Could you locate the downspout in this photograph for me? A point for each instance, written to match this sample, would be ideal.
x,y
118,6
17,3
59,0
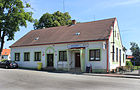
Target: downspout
x,y
107,56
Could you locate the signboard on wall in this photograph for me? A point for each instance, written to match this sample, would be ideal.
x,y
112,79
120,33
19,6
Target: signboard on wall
x,y
77,45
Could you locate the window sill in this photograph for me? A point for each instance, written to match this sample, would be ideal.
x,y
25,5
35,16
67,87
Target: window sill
x,y
94,60
17,60
26,61
37,60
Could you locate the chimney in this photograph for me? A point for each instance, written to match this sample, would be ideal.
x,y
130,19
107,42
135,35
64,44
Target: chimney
x,y
73,22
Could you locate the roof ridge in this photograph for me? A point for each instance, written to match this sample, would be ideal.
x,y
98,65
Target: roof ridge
x,y
76,24
97,20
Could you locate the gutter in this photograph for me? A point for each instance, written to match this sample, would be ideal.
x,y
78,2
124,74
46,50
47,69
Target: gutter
x,y
59,43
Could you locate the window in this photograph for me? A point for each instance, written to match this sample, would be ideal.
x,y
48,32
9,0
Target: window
x,y
115,33
116,54
120,55
123,58
94,55
118,35
37,56
62,56
17,56
26,56
112,53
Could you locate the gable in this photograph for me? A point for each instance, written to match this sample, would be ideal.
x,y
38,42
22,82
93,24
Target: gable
x,y
117,36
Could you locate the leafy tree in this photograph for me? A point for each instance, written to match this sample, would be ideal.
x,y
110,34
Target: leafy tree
x,y
53,20
12,16
128,63
135,52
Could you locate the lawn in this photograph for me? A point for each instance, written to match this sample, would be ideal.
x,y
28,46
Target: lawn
x,y
136,67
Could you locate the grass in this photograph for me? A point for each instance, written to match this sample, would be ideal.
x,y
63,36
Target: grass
x,y
133,67
136,67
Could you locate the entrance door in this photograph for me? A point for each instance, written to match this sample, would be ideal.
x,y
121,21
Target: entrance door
x,y
50,60
77,60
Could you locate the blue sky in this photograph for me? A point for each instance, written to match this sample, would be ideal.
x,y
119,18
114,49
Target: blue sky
x,y
127,13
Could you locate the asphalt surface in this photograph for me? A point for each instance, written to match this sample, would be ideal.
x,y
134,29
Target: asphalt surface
x,y
17,79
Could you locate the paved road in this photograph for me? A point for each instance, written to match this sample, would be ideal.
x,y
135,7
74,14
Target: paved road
x,y
15,79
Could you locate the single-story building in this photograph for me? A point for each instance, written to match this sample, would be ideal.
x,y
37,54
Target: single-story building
x,y
96,44
6,54
129,57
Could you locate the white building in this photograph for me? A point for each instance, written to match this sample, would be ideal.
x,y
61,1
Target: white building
x,y
96,43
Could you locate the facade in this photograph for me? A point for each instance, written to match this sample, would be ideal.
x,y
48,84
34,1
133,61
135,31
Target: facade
x,y
6,54
96,44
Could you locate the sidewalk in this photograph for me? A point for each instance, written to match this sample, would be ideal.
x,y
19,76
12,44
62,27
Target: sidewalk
x,y
133,74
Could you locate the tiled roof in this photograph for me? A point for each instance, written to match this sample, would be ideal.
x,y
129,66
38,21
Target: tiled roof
x,y
5,52
129,56
89,31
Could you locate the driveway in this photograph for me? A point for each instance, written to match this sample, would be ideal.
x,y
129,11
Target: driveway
x,y
18,79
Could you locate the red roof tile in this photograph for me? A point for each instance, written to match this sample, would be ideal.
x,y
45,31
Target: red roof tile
x,y
5,52
129,56
89,31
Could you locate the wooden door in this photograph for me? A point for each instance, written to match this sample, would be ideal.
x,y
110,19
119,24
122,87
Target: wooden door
x,y
77,60
50,60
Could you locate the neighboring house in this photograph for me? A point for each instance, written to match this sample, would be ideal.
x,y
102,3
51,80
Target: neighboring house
x,y
6,54
129,57
97,44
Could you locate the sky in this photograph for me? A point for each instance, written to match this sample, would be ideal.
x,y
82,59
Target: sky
x,y
127,13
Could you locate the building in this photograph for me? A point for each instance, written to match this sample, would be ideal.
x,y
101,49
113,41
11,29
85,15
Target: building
x,y
96,43
6,54
129,57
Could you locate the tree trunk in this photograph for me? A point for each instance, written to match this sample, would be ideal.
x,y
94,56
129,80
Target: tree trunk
x,y
2,44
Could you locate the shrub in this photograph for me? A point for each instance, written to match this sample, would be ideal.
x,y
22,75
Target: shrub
x,y
3,60
129,63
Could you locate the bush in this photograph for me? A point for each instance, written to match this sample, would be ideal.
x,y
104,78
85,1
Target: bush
x,y
129,63
3,60
137,63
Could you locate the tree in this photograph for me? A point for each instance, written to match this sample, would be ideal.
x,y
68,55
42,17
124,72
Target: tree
x,y
12,16
135,52
53,20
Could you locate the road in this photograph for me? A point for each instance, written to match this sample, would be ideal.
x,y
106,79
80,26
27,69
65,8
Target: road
x,y
19,79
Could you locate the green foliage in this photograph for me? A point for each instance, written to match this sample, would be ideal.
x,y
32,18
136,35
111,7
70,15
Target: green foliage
x,y
12,16
136,67
3,60
129,63
53,20
135,52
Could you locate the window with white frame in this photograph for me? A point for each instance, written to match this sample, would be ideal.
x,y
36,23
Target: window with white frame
x,y
26,56
94,55
17,56
62,55
37,56
116,54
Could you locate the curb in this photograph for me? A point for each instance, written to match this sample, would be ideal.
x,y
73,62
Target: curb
x,y
117,76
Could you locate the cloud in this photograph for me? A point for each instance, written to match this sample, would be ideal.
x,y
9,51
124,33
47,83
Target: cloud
x,y
128,2
128,52
117,3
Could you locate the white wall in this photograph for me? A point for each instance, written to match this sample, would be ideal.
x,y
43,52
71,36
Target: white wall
x,y
102,64
117,44
58,47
